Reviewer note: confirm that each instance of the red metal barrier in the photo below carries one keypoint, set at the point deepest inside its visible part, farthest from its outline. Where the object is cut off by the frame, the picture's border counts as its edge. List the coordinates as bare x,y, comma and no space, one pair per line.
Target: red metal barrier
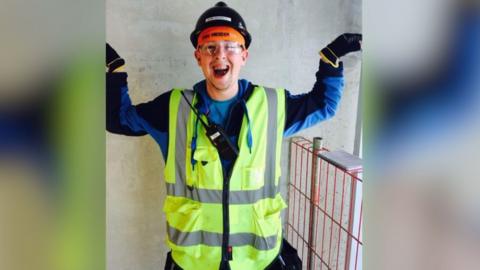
324,216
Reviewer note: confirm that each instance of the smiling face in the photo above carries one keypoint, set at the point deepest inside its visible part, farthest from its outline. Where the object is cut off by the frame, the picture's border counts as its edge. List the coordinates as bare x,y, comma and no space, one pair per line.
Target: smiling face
221,62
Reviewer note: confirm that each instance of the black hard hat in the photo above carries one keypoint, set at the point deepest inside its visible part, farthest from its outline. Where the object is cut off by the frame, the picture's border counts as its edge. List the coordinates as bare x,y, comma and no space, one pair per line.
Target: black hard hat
220,15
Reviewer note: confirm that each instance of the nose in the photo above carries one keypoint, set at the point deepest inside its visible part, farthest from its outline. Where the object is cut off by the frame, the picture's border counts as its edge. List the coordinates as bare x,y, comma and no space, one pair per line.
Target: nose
220,52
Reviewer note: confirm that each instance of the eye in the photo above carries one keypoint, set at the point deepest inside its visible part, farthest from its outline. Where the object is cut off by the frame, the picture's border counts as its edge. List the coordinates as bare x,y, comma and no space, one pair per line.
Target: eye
211,48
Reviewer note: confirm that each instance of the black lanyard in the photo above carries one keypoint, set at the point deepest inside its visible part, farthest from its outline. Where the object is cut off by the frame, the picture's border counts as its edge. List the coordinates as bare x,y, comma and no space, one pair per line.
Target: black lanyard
217,136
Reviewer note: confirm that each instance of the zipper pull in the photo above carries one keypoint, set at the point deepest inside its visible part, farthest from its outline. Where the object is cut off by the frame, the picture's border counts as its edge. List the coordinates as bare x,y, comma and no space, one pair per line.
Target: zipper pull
230,253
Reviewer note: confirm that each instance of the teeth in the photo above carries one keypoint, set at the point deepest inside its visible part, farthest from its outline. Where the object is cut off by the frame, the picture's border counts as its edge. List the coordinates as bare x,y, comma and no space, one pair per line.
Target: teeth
220,67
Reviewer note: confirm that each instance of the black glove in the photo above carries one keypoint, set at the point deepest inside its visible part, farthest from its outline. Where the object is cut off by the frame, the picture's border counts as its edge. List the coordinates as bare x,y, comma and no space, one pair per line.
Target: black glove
342,45
113,60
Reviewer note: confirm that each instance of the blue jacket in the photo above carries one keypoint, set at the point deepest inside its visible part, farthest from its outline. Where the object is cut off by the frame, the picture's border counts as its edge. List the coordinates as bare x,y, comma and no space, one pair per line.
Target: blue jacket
302,111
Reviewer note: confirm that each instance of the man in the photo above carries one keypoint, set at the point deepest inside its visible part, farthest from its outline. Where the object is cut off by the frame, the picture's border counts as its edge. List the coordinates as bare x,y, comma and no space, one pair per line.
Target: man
221,143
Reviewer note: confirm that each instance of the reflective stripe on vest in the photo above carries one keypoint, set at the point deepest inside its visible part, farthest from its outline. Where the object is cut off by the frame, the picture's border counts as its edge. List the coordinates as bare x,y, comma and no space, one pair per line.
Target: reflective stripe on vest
215,239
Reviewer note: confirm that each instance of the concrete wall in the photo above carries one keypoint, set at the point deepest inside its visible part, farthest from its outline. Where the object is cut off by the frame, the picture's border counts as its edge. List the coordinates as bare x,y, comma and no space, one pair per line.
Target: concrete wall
153,37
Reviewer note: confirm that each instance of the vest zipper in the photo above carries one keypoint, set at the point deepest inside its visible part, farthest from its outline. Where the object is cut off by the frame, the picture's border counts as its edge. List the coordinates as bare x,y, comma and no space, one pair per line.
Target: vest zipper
226,251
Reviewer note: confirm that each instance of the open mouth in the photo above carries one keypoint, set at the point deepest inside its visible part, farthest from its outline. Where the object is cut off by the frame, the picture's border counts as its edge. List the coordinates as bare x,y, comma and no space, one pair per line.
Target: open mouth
220,71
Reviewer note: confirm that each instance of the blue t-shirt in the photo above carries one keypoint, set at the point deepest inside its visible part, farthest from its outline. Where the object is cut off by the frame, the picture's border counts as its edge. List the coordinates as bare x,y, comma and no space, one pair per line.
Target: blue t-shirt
219,110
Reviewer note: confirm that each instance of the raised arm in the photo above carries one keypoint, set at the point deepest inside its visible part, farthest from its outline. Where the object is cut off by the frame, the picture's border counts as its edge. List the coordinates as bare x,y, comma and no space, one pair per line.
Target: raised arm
321,102
123,117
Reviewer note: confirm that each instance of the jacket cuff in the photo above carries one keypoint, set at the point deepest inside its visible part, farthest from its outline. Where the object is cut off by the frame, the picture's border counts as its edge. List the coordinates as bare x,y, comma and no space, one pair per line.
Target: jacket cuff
327,70
116,79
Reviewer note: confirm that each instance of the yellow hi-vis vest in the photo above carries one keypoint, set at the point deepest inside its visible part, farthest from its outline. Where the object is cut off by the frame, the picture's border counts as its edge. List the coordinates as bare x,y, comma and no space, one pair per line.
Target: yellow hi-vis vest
193,206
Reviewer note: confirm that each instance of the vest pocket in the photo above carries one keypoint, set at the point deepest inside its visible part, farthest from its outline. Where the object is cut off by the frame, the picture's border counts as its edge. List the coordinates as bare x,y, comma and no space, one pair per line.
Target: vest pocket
253,178
267,223
183,215
208,169
267,216
183,223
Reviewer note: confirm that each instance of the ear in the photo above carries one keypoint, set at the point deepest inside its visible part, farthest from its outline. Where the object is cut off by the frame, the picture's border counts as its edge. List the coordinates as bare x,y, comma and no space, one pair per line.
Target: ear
244,57
197,55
